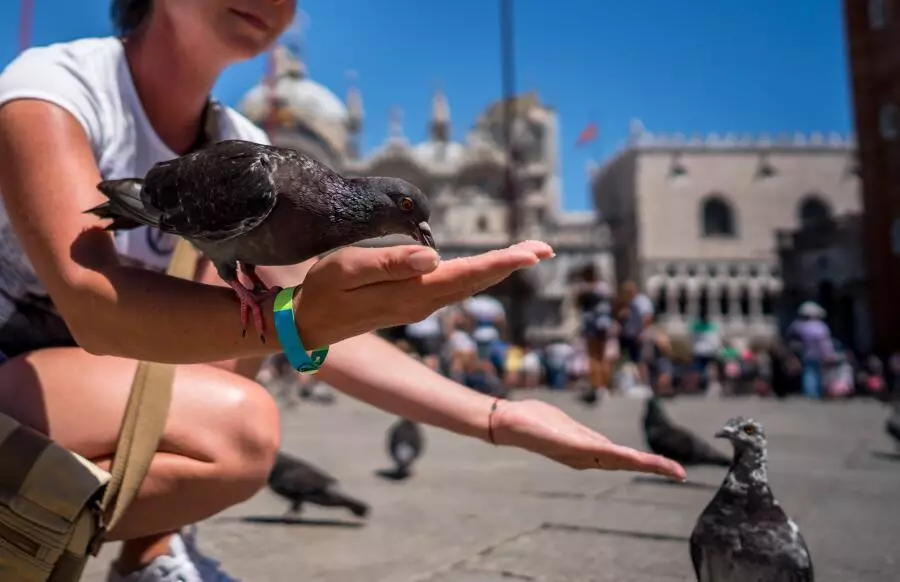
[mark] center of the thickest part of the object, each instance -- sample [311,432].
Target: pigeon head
[744,434]
[404,208]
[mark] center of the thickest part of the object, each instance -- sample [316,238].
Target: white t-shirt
[90,79]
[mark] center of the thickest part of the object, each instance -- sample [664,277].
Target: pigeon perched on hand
[299,482]
[246,203]
[744,535]
[405,444]
[670,440]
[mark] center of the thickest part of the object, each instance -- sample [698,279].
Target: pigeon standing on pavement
[249,204]
[744,535]
[405,443]
[892,426]
[299,482]
[670,440]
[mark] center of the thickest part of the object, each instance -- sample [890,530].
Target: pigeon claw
[250,303]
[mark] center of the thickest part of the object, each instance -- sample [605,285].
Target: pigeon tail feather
[124,207]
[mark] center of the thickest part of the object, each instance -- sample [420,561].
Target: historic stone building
[873,50]
[462,177]
[693,220]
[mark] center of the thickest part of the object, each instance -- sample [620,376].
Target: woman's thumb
[365,266]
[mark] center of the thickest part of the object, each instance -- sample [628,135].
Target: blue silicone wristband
[290,340]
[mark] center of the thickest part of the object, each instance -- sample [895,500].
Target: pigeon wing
[216,193]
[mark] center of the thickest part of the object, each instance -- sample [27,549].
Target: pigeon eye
[406,204]
[749,429]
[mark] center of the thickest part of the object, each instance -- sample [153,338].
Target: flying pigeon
[670,440]
[405,443]
[744,535]
[892,426]
[299,482]
[251,204]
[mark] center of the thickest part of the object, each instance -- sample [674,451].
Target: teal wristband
[286,328]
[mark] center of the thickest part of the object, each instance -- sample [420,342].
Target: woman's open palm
[544,429]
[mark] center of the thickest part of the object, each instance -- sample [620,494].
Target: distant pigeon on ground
[405,444]
[892,426]
[246,203]
[744,535]
[670,440]
[299,482]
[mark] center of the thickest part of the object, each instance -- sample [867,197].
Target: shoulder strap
[145,414]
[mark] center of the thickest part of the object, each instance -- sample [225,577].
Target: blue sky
[686,66]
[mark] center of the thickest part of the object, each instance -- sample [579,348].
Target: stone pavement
[473,513]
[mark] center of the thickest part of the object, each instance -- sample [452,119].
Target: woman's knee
[251,434]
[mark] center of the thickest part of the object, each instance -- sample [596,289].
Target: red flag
[587,135]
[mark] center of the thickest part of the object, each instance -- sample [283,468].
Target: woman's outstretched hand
[356,290]
[544,429]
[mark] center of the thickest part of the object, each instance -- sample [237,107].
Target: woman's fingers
[415,298]
[627,459]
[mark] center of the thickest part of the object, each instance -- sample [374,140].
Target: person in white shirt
[74,113]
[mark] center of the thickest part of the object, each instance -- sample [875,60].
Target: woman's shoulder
[79,57]
[74,75]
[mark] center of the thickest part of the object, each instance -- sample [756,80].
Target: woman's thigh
[79,399]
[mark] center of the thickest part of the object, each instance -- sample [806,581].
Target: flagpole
[517,325]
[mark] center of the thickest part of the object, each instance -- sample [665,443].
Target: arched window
[717,218]
[812,210]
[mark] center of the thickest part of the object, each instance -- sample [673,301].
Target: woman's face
[240,29]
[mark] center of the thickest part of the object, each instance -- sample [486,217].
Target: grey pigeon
[892,426]
[246,203]
[744,535]
[299,482]
[670,440]
[405,444]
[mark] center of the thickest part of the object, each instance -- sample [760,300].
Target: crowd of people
[622,346]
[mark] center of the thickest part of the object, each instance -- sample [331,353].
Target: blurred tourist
[706,345]
[812,337]
[634,311]
[427,338]
[593,299]
[556,357]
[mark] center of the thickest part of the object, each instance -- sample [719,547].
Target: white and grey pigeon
[405,444]
[744,535]
[241,202]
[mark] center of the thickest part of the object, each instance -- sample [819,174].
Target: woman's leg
[219,443]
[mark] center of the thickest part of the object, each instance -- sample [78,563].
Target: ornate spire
[355,112]
[439,128]
[286,63]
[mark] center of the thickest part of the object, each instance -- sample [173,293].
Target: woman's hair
[128,15]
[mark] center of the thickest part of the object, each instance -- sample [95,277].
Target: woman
[593,299]
[75,113]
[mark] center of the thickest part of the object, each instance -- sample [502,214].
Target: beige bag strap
[145,415]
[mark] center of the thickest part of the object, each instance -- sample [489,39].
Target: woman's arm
[48,178]
[370,369]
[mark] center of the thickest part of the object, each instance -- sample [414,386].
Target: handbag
[55,506]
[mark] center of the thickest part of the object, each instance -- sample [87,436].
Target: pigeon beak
[723,433]
[424,236]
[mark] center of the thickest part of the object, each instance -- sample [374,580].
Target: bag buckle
[99,537]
